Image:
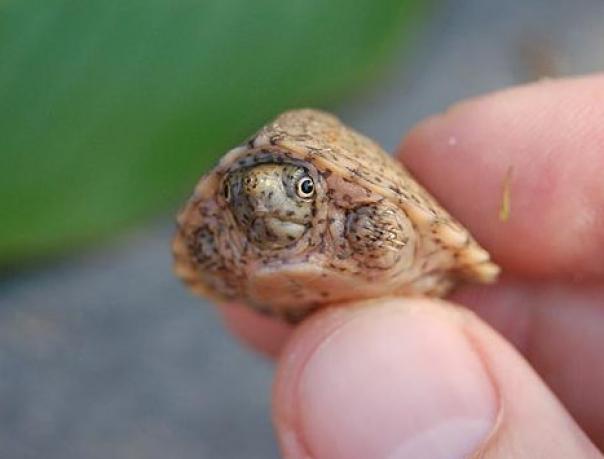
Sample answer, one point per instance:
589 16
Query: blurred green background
111 109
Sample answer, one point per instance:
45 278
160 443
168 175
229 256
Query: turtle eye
305 187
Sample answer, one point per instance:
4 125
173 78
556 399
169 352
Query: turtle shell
345 160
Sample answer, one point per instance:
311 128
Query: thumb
414 379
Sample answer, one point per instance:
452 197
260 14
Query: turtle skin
309 213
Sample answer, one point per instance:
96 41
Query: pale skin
426 378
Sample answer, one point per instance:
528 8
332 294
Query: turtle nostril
250 182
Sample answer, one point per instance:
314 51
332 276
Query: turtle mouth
271 231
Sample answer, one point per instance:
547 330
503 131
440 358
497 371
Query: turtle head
272 202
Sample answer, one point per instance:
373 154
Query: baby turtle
309 213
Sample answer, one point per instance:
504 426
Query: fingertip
368 380
262 333
521 168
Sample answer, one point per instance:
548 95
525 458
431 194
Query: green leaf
111 109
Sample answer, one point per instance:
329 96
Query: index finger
549 136
541 148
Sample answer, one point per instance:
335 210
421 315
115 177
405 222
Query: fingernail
394 383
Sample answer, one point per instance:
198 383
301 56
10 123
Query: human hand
419 378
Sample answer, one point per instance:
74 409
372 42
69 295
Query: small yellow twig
506 198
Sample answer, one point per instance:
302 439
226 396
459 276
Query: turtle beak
272 232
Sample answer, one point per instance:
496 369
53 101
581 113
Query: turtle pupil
306 187
226 191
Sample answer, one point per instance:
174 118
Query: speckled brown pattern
309 212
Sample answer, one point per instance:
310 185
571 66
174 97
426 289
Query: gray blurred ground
106 355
